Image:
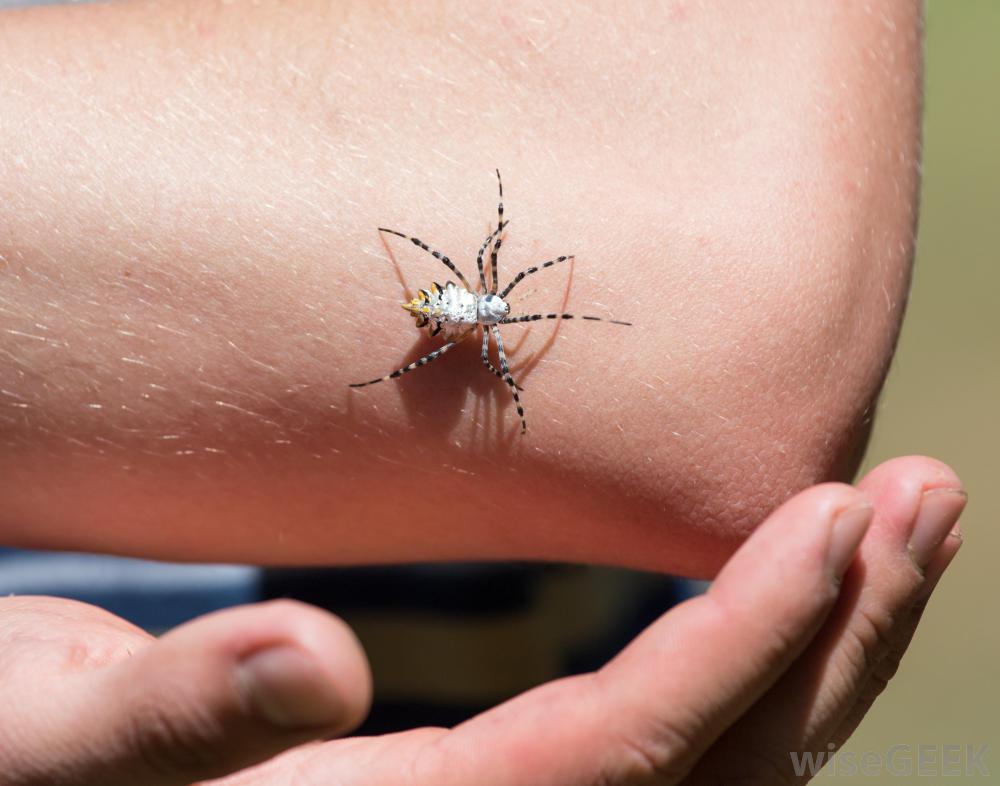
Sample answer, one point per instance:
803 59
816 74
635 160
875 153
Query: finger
647 716
914 512
885 669
211 697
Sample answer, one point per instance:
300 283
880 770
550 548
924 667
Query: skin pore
191 275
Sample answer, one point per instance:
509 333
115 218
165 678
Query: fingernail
939 510
939 564
284 687
849 529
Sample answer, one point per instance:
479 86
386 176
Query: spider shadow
522 369
435 397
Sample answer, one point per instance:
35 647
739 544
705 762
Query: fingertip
826 500
917 500
922 472
287 687
318 648
333 643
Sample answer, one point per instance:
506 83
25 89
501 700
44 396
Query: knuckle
885 671
753 767
171 738
878 683
862 652
661 754
777 647
873 633
899 641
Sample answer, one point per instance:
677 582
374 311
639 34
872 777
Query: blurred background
943 393
942 399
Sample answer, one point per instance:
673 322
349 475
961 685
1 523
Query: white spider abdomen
450 309
458 305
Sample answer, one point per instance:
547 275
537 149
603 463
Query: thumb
216 695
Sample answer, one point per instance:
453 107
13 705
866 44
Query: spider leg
406 369
533 269
436 254
486 357
496 246
482 250
536 317
508 378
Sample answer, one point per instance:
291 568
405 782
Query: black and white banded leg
482 250
486 358
406 369
534 269
496 246
508 378
536 317
436 254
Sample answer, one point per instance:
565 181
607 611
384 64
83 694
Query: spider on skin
457 310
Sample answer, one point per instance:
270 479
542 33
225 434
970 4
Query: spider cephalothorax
456 310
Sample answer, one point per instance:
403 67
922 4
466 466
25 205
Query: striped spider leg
436 254
482 282
457 310
407 369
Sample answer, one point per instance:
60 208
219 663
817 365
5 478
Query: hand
785 653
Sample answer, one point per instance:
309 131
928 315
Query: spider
457 310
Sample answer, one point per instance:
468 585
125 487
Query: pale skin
192 276
193 273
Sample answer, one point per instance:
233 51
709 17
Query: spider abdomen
451 308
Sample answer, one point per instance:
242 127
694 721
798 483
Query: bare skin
191 273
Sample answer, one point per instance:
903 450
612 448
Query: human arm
192 274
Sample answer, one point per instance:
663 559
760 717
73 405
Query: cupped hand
783 655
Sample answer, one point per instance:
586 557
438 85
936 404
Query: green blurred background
943 395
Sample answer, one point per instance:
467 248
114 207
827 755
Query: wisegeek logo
922 760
